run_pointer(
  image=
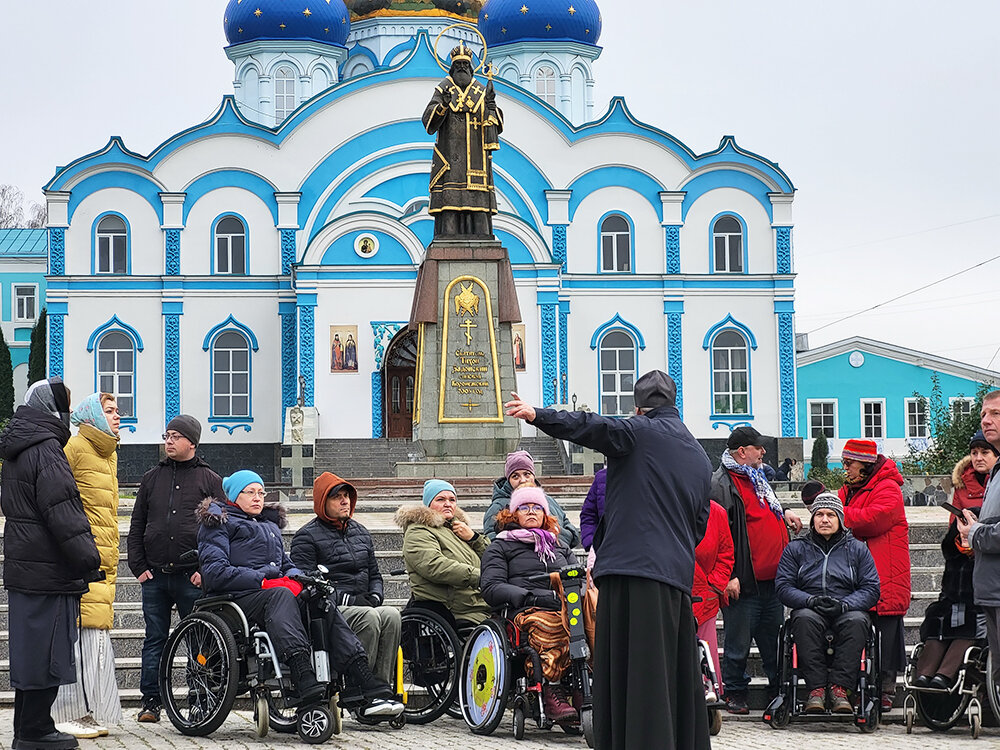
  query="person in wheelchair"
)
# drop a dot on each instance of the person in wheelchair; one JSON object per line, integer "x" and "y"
{"x": 240, "y": 553}
{"x": 442, "y": 555}
{"x": 527, "y": 546}
{"x": 829, "y": 581}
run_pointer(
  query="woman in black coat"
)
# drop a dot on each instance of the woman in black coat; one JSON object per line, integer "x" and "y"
{"x": 49, "y": 559}
{"x": 529, "y": 546}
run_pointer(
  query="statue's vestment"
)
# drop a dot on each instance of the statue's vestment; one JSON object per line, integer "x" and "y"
{"x": 467, "y": 124}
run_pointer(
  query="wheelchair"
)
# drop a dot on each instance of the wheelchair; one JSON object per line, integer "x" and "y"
{"x": 493, "y": 674}
{"x": 941, "y": 709}
{"x": 790, "y": 701}
{"x": 713, "y": 704}
{"x": 215, "y": 655}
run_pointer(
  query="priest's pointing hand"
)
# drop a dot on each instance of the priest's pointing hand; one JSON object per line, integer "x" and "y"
{"x": 520, "y": 410}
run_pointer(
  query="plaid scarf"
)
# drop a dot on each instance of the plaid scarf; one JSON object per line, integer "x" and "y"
{"x": 544, "y": 541}
{"x": 765, "y": 495}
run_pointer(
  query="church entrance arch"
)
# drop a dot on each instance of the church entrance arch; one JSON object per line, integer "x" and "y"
{"x": 400, "y": 384}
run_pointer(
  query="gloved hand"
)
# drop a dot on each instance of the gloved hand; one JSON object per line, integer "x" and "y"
{"x": 829, "y": 607}
{"x": 284, "y": 582}
{"x": 549, "y": 600}
{"x": 371, "y": 599}
{"x": 270, "y": 571}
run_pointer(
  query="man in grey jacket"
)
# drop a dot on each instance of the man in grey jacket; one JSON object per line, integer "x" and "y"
{"x": 983, "y": 535}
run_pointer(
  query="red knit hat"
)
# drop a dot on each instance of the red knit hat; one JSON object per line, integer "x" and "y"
{"x": 861, "y": 450}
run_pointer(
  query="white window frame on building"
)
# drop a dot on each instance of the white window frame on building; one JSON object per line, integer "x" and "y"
{"x": 913, "y": 427}
{"x": 869, "y": 431}
{"x": 616, "y": 245}
{"x": 726, "y": 375}
{"x": 227, "y": 387}
{"x": 231, "y": 246}
{"x": 25, "y": 303}
{"x": 545, "y": 84}
{"x": 727, "y": 246}
{"x": 284, "y": 92}
{"x": 832, "y": 430}
{"x": 617, "y": 378}
{"x": 112, "y": 246}
{"x": 964, "y": 405}
{"x": 116, "y": 371}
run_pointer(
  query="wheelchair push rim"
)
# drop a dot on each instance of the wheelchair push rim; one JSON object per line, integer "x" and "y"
{"x": 431, "y": 655}
{"x": 485, "y": 680}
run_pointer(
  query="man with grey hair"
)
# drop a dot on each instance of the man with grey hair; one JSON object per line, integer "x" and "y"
{"x": 648, "y": 688}
{"x": 983, "y": 535}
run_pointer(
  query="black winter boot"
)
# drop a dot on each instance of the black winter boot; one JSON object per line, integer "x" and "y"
{"x": 310, "y": 690}
{"x": 361, "y": 675}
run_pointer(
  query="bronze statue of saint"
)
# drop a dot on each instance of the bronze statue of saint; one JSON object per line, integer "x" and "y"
{"x": 464, "y": 115}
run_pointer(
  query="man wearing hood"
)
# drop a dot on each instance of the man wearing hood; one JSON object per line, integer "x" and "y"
{"x": 334, "y": 539}
{"x": 50, "y": 557}
{"x": 829, "y": 581}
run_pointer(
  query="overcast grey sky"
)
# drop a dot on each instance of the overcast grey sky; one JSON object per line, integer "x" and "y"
{"x": 884, "y": 114}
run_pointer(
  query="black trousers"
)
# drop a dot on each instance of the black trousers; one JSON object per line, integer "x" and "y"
{"x": 850, "y": 631}
{"x": 648, "y": 690}
{"x": 278, "y": 612}
{"x": 33, "y": 713}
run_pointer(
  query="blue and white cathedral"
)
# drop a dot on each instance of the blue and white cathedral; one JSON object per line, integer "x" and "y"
{"x": 211, "y": 275}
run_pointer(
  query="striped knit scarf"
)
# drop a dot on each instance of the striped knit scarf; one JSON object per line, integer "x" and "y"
{"x": 765, "y": 495}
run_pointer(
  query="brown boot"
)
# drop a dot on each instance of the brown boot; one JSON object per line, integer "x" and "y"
{"x": 556, "y": 707}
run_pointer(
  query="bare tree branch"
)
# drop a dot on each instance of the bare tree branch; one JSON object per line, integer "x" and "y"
{"x": 11, "y": 207}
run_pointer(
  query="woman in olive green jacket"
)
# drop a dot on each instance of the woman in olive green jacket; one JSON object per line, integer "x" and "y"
{"x": 442, "y": 555}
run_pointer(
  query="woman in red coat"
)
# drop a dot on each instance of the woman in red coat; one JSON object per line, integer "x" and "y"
{"x": 713, "y": 567}
{"x": 874, "y": 512}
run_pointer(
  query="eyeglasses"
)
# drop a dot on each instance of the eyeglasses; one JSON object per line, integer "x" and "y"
{"x": 254, "y": 493}
{"x": 530, "y": 508}
{"x": 171, "y": 437}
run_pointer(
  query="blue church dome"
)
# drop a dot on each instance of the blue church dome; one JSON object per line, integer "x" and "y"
{"x": 509, "y": 21}
{"x": 325, "y": 21}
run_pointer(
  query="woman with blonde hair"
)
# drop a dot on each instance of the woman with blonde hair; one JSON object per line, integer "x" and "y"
{"x": 86, "y": 707}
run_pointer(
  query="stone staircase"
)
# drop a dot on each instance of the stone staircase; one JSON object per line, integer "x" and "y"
{"x": 378, "y": 500}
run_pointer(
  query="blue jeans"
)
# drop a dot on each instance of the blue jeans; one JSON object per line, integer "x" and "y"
{"x": 160, "y": 594}
{"x": 757, "y": 617}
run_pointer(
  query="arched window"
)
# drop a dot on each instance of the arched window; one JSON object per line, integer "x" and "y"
{"x": 617, "y": 358}
{"x": 730, "y": 374}
{"x": 112, "y": 246}
{"x": 284, "y": 93}
{"x": 616, "y": 244}
{"x": 230, "y": 375}
{"x": 116, "y": 370}
{"x": 545, "y": 84}
{"x": 727, "y": 236}
{"x": 230, "y": 246}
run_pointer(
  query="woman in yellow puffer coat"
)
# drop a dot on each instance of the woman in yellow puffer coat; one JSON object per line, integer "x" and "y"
{"x": 86, "y": 708}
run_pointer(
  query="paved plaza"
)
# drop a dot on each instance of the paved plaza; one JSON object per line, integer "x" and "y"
{"x": 237, "y": 734}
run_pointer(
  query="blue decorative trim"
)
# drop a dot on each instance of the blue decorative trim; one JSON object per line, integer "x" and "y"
{"x": 172, "y": 260}
{"x": 783, "y": 246}
{"x": 378, "y": 429}
{"x": 213, "y": 244}
{"x": 124, "y": 426}
{"x": 617, "y": 322}
{"x": 142, "y": 185}
{"x": 307, "y": 351}
{"x": 408, "y": 46}
{"x": 675, "y": 354}
{"x": 621, "y": 177}
{"x": 230, "y": 322}
{"x": 56, "y": 338}
{"x": 631, "y": 243}
{"x": 172, "y": 366}
{"x": 379, "y": 330}
{"x": 287, "y": 251}
{"x": 559, "y": 245}
{"x": 231, "y": 428}
{"x": 289, "y": 369}
{"x": 549, "y": 353}
{"x": 673, "y": 246}
{"x": 564, "y": 351}
{"x": 728, "y": 322}
{"x": 57, "y": 251}
{"x": 744, "y": 241}
{"x": 238, "y": 178}
{"x": 714, "y": 179}
{"x": 117, "y": 324}
{"x": 732, "y": 425}
{"x": 786, "y": 373}
{"x": 111, "y": 258}
{"x": 382, "y": 331}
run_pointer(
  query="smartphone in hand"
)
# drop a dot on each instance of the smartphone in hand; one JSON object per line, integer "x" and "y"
{"x": 953, "y": 510}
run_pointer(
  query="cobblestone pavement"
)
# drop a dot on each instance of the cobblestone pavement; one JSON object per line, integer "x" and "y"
{"x": 237, "y": 734}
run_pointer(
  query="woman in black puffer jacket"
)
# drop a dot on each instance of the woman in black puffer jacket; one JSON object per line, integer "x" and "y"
{"x": 49, "y": 559}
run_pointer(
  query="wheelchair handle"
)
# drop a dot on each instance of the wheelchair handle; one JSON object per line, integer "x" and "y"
{"x": 570, "y": 572}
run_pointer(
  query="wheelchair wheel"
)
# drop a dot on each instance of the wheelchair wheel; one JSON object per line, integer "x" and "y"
{"x": 338, "y": 715}
{"x": 941, "y": 711}
{"x": 485, "y": 681}
{"x": 430, "y": 665}
{"x": 315, "y": 724}
{"x": 260, "y": 716}
{"x": 587, "y": 723}
{"x": 714, "y": 721}
{"x": 992, "y": 688}
{"x": 975, "y": 720}
{"x": 281, "y": 719}
{"x": 871, "y": 716}
{"x": 519, "y": 723}
{"x": 200, "y": 658}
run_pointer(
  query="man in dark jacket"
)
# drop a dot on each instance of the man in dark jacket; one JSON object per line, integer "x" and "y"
{"x": 829, "y": 581}
{"x": 163, "y": 529}
{"x": 336, "y": 540}
{"x": 49, "y": 559}
{"x": 759, "y": 526}
{"x": 648, "y": 688}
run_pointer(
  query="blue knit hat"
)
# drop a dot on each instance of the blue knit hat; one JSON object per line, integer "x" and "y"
{"x": 434, "y": 487}
{"x": 238, "y": 481}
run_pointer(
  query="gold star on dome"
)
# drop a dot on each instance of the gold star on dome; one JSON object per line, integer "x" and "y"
{"x": 258, "y": 13}
{"x": 282, "y": 26}
{"x": 503, "y": 30}
{"x": 239, "y": 1}
{"x": 326, "y": 30}
{"x": 524, "y": 9}
{"x": 307, "y": 13}
{"x": 548, "y": 27}
{"x": 343, "y": 20}
{"x": 239, "y": 30}
{"x": 572, "y": 10}
{"x": 486, "y": 16}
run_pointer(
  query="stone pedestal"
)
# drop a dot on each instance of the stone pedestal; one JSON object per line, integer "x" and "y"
{"x": 463, "y": 308}
{"x": 298, "y": 458}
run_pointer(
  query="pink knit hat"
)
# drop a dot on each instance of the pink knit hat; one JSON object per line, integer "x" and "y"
{"x": 518, "y": 461}
{"x": 526, "y": 496}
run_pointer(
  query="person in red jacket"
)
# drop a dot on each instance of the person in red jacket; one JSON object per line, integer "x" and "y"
{"x": 713, "y": 567}
{"x": 875, "y": 514}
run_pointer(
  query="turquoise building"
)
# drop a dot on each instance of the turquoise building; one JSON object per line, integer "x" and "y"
{"x": 23, "y": 264}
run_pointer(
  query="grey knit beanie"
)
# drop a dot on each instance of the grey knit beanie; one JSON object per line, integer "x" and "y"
{"x": 828, "y": 501}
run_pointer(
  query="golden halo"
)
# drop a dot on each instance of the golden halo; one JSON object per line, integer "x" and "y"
{"x": 437, "y": 41}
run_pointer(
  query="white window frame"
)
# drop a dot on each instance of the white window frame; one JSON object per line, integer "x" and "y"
{"x": 618, "y": 239}
{"x": 125, "y": 398}
{"x": 224, "y": 246}
{"x": 16, "y": 300}
{"x": 106, "y": 246}
{"x": 284, "y": 100}
{"x": 865, "y": 402}
{"x": 730, "y": 370}
{"x": 836, "y": 416}
{"x": 230, "y": 372}
{"x": 960, "y": 399}
{"x": 726, "y": 237}
{"x": 906, "y": 420}
{"x": 545, "y": 84}
{"x": 622, "y": 390}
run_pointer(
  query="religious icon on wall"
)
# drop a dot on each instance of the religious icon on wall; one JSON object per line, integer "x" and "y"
{"x": 517, "y": 332}
{"x": 343, "y": 348}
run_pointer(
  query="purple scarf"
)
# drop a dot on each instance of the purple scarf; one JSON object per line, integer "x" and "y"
{"x": 544, "y": 541}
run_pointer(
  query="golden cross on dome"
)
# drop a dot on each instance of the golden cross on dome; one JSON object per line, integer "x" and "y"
{"x": 572, "y": 10}
{"x": 258, "y": 13}
{"x": 307, "y": 13}
{"x": 524, "y": 9}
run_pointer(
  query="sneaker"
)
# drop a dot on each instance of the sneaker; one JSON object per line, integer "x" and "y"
{"x": 150, "y": 711}
{"x": 816, "y": 702}
{"x": 736, "y": 703}
{"x": 90, "y": 721}
{"x": 887, "y": 701}
{"x": 838, "y": 696}
{"x": 381, "y": 708}
{"x": 78, "y": 729}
